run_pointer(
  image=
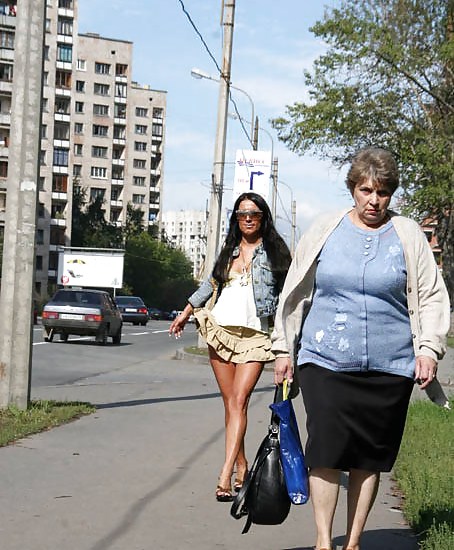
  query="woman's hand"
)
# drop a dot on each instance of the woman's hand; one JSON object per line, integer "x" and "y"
{"x": 425, "y": 370}
{"x": 179, "y": 322}
{"x": 282, "y": 370}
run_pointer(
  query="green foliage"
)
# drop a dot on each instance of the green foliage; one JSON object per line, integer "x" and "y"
{"x": 161, "y": 275}
{"x": 425, "y": 473}
{"x": 40, "y": 416}
{"x": 386, "y": 79}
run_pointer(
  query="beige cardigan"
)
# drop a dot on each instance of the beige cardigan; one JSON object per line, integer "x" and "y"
{"x": 428, "y": 301}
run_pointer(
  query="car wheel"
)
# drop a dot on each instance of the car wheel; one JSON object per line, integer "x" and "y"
{"x": 64, "y": 337}
{"x": 116, "y": 338}
{"x": 144, "y": 323}
{"x": 101, "y": 337}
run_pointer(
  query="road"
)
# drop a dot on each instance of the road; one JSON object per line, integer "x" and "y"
{"x": 57, "y": 363}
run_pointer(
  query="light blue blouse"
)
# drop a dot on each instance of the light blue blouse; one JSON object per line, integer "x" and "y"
{"x": 359, "y": 319}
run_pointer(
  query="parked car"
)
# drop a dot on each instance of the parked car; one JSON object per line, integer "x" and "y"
{"x": 154, "y": 313}
{"x": 84, "y": 312}
{"x": 132, "y": 309}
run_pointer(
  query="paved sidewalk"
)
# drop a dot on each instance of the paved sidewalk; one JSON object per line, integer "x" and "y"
{"x": 140, "y": 473}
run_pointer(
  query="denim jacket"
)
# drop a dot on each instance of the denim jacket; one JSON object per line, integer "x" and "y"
{"x": 264, "y": 283}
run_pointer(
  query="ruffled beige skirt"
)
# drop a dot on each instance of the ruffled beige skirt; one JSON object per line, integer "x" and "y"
{"x": 235, "y": 344}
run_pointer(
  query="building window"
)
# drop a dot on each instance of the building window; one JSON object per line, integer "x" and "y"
{"x": 99, "y": 172}
{"x": 62, "y": 105}
{"x": 101, "y": 89}
{"x": 40, "y": 236}
{"x": 158, "y": 113}
{"x": 77, "y": 170}
{"x": 41, "y": 183}
{"x": 46, "y": 53}
{"x": 3, "y": 169}
{"x": 45, "y": 104}
{"x": 139, "y": 163}
{"x": 63, "y": 79}
{"x": 140, "y": 129}
{"x": 59, "y": 183}
{"x": 121, "y": 90}
{"x": 42, "y": 158}
{"x": 41, "y": 210}
{"x": 141, "y": 112}
{"x": 138, "y": 199}
{"x": 39, "y": 262}
{"x": 99, "y": 130}
{"x": 81, "y": 65}
{"x": 78, "y": 128}
{"x": 140, "y": 146}
{"x": 79, "y": 106}
{"x": 97, "y": 193}
{"x": 102, "y": 68}
{"x": 100, "y": 110}
{"x": 121, "y": 69}
{"x": 156, "y": 130}
{"x": 6, "y": 72}
{"x": 46, "y": 78}
{"x": 120, "y": 110}
{"x": 99, "y": 152}
{"x": 7, "y": 40}
{"x": 61, "y": 157}
{"x": 64, "y": 53}
{"x": 80, "y": 86}
{"x": 43, "y": 131}
{"x": 65, "y": 26}
{"x": 78, "y": 148}
{"x": 61, "y": 130}
{"x": 119, "y": 132}
{"x": 66, "y": 4}
{"x": 139, "y": 180}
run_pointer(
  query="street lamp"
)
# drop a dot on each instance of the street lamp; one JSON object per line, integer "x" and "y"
{"x": 197, "y": 73}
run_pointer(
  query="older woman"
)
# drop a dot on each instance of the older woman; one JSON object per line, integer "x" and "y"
{"x": 241, "y": 299}
{"x": 363, "y": 314}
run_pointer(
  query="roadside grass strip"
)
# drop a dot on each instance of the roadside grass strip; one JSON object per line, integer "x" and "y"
{"x": 425, "y": 474}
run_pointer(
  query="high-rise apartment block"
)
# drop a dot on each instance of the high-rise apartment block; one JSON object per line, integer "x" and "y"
{"x": 187, "y": 230}
{"x": 100, "y": 130}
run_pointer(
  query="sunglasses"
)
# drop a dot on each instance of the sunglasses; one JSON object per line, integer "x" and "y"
{"x": 253, "y": 214}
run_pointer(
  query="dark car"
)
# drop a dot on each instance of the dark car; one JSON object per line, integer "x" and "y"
{"x": 155, "y": 313}
{"x": 132, "y": 309}
{"x": 84, "y": 312}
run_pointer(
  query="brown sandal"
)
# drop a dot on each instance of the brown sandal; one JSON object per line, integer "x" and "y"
{"x": 223, "y": 494}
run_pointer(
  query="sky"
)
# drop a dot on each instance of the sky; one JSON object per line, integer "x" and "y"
{"x": 272, "y": 46}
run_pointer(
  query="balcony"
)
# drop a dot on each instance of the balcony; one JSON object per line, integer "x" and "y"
{"x": 65, "y": 65}
{"x": 62, "y": 92}
{"x": 62, "y": 143}
{"x": 5, "y": 119}
{"x": 66, "y": 12}
{"x": 121, "y": 78}
{"x": 118, "y": 162}
{"x": 119, "y": 99}
{"x": 61, "y": 197}
{"x": 65, "y": 38}
{"x": 6, "y": 86}
{"x": 60, "y": 169}
{"x": 4, "y": 151}
{"x": 8, "y": 21}
{"x": 59, "y": 222}
{"x": 7, "y": 54}
{"x": 119, "y": 141}
{"x": 118, "y": 181}
{"x": 117, "y": 203}
{"x": 62, "y": 117}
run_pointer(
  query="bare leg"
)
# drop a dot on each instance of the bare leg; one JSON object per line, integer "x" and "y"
{"x": 236, "y": 383}
{"x": 362, "y": 490}
{"x": 324, "y": 486}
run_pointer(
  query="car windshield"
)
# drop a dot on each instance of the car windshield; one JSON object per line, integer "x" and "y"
{"x": 129, "y": 301}
{"x": 79, "y": 297}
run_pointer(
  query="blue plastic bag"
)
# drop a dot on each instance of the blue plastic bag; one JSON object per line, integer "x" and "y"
{"x": 291, "y": 451}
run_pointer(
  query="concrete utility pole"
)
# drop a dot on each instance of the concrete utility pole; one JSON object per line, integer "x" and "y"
{"x": 217, "y": 188}
{"x": 16, "y": 298}
{"x": 293, "y": 237}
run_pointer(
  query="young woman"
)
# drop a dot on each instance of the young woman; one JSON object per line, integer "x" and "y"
{"x": 240, "y": 300}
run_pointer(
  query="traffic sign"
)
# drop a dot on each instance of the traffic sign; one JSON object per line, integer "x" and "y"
{"x": 252, "y": 173}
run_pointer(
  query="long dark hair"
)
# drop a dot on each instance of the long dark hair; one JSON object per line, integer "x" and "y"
{"x": 274, "y": 245}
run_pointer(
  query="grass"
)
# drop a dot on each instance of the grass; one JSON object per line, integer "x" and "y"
{"x": 197, "y": 351}
{"x": 40, "y": 416}
{"x": 451, "y": 341}
{"x": 425, "y": 474}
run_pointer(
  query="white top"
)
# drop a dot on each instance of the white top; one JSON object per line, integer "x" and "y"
{"x": 236, "y": 305}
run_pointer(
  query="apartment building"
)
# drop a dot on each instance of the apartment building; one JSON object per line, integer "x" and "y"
{"x": 100, "y": 130}
{"x": 186, "y": 230}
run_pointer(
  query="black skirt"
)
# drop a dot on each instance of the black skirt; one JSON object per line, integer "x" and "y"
{"x": 354, "y": 420}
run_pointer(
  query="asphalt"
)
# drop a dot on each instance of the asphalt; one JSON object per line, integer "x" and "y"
{"x": 140, "y": 473}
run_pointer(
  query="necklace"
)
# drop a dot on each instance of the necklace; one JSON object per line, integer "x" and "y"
{"x": 245, "y": 277}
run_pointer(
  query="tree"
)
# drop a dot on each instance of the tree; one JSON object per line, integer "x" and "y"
{"x": 89, "y": 226}
{"x": 387, "y": 79}
{"x": 161, "y": 275}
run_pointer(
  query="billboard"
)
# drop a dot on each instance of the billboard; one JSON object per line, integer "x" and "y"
{"x": 252, "y": 173}
{"x": 100, "y": 268}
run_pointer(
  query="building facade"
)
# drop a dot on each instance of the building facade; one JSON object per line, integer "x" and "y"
{"x": 100, "y": 131}
{"x": 187, "y": 230}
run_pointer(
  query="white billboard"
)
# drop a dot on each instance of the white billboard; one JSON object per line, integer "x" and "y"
{"x": 252, "y": 173}
{"x": 91, "y": 268}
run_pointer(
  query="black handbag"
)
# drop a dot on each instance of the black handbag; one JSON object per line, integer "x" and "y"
{"x": 263, "y": 498}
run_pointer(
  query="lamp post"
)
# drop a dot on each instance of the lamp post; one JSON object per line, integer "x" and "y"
{"x": 197, "y": 73}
